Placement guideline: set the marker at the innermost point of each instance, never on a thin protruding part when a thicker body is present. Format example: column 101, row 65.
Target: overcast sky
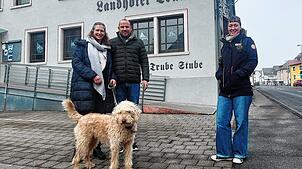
column 275, row 26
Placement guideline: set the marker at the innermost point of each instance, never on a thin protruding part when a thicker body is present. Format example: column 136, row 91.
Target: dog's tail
column 71, row 111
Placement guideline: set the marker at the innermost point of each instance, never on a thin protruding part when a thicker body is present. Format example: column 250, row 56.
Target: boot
column 97, row 152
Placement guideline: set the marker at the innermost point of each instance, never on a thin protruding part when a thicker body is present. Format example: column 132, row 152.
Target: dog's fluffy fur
column 115, row 130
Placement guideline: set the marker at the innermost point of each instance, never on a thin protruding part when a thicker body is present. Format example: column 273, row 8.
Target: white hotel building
column 181, row 37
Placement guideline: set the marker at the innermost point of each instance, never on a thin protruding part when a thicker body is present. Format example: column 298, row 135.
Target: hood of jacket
column 81, row 42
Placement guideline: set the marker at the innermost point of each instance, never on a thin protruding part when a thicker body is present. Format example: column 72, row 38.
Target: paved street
column 287, row 96
column 45, row 140
column 275, row 137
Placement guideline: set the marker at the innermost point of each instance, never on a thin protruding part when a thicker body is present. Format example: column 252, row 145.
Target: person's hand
column 145, row 84
column 112, row 83
column 97, row 79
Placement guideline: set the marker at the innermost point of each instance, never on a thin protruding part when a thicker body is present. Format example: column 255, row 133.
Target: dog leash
column 112, row 88
column 143, row 96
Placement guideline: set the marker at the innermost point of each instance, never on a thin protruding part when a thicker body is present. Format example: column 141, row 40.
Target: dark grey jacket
column 129, row 59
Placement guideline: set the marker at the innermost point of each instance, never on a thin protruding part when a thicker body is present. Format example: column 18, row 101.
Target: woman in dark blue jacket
column 91, row 63
column 238, row 61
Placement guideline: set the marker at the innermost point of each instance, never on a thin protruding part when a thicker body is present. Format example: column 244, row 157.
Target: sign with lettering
column 11, row 51
column 125, row 4
column 181, row 65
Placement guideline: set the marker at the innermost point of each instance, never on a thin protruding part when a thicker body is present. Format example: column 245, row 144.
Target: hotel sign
column 126, row 4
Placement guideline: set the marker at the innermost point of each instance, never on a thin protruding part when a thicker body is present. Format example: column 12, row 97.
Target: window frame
column 167, row 26
column 15, row 6
column 60, row 44
column 1, row 5
column 156, row 28
column 27, row 46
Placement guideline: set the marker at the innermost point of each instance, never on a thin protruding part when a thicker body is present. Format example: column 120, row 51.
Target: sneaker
column 214, row 158
column 237, row 160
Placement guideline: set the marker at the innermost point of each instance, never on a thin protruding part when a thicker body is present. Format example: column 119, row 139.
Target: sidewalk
column 32, row 140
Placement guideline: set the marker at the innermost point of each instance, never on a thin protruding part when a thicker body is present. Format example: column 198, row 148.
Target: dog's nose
column 124, row 121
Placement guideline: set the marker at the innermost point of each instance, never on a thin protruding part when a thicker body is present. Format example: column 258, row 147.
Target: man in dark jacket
column 129, row 63
column 237, row 63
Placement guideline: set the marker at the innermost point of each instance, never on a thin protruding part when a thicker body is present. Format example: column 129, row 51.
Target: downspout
column 217, row 34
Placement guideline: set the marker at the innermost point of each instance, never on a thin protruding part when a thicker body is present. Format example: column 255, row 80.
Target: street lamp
column 300, row 47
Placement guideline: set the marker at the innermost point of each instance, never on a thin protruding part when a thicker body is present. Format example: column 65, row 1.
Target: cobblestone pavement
column 40, row 140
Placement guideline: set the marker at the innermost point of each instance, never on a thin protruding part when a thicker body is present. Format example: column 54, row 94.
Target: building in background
column 256, row 78
column 181, row 37
column 283, row 77
column 295, row 67
column 269, row 76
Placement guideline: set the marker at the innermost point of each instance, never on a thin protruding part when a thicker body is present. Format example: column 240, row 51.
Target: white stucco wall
column 185, row 85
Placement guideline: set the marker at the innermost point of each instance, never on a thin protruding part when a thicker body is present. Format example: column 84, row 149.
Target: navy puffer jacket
column 129, row 60
column 82, row 78
column 238, row 61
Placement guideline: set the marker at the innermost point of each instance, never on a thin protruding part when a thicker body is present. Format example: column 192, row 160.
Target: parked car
column 298, row 83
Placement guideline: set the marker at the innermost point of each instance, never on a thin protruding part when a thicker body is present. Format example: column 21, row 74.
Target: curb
column 152, row 109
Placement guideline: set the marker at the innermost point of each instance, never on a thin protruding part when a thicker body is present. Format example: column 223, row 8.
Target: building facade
column 181, row 37
column 295, row 72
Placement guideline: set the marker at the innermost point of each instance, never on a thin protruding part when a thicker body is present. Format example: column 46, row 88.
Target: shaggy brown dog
column 115, row 130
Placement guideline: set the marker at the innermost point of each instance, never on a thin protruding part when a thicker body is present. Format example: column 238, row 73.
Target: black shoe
column 134, row 147
column 121, row 149
column 97, row 152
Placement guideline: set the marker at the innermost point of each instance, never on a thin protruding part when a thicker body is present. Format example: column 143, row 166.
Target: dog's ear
column 116, row 110
column 137, row 110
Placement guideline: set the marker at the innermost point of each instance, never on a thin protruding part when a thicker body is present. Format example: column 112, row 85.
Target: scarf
column 97, row 54
column 229, row 38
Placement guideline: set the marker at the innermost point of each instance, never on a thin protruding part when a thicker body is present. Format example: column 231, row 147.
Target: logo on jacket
column 239, row 46
column 253, row 46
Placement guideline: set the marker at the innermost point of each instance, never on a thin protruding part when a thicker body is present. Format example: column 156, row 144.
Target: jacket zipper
column 223, row 76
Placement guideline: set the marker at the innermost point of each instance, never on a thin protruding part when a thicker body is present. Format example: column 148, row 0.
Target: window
column 68, row 35
column 144, row 30
column 163, row 33
column 294, row 68
column 36, row 45
column 171, row 34
column 1, row 5
column 21, row 3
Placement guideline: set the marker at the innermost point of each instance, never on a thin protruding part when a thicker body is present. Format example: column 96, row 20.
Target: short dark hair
column 124, row 19
column 235, row 19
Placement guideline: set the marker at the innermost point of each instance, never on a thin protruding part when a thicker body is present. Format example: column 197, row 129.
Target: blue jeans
column 226, row 144
column 128, row 91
